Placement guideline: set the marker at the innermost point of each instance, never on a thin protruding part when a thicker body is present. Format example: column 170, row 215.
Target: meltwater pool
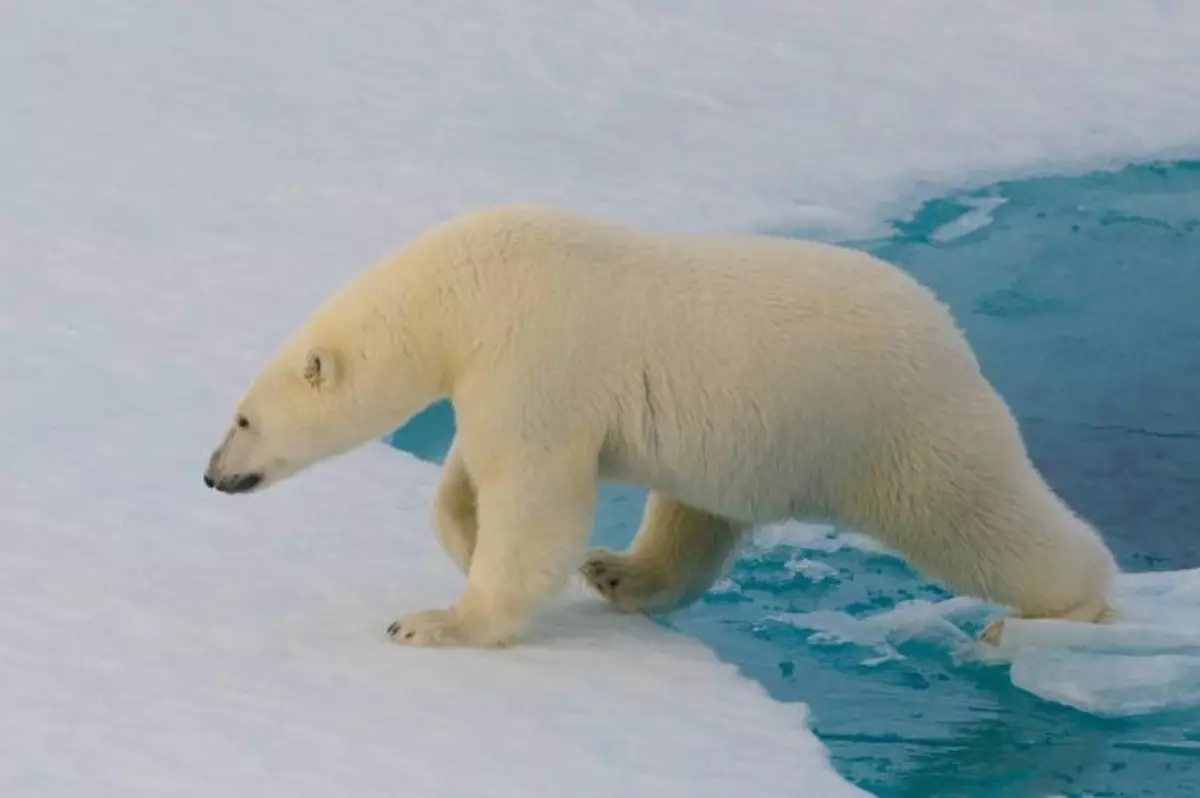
column 1081, row 297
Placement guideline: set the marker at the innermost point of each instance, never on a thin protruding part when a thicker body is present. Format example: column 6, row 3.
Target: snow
column 367, row 118
column 184, row 181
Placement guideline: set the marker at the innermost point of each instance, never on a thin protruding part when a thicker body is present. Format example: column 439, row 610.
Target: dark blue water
column 1081, row 297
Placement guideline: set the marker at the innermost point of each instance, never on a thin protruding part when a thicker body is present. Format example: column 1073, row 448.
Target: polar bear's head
column 373, row 354
column 294, row 414
column 310, row 403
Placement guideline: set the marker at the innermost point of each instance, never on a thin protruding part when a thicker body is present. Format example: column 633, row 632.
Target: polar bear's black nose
column 208, row 481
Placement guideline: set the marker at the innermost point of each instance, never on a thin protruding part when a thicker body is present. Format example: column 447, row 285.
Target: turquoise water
column 1081, row 297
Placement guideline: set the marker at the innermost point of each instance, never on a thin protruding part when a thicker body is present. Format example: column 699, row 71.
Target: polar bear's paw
column 628, row 584
column 428, row 628
column 439, row 628
column 992, row 633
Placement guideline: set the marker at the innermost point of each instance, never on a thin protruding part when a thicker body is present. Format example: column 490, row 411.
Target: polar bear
column 742, row 380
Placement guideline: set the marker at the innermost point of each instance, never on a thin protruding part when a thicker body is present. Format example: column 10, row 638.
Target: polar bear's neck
column 438, row 297
column 388, row 327
column 423, row 318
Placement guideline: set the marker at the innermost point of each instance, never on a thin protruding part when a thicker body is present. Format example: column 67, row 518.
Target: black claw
column 395, row 627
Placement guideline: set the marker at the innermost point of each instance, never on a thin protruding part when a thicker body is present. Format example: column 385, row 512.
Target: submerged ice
column 1146, row 661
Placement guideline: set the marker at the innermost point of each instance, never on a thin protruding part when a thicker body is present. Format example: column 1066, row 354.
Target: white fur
column 743, row 380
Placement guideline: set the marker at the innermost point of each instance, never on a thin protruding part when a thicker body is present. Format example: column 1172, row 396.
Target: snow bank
column 158, row 640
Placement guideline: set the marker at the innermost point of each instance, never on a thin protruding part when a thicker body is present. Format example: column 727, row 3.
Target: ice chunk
column 882, row 632
column 1147, row 661
column 813, row 570
column 977, row 217
column 1110, row 683
column 815, row 537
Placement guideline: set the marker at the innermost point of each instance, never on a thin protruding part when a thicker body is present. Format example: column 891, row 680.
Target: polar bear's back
column 739, row 290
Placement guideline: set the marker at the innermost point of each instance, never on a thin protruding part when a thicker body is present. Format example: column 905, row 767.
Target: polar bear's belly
column 751, row 489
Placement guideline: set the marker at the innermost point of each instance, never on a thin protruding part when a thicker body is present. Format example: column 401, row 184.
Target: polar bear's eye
column 243, row 422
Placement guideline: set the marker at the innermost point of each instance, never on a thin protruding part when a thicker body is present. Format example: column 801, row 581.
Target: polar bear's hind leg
column 1094, row 610
column 678, row 553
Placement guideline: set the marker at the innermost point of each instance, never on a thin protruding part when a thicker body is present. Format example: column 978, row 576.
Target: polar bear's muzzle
column 236, row 483
column 228, row 469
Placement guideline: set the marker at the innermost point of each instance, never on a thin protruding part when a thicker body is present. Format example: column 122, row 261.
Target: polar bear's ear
column 320, row 367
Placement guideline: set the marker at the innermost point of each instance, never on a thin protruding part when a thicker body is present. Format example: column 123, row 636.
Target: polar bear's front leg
column 534, row 522
column 454, row 518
